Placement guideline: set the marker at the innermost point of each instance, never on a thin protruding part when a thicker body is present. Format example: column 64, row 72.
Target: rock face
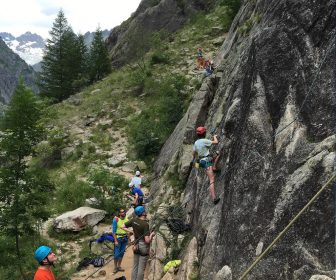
column 132, row 38
column 272, row 105
column 78, row 219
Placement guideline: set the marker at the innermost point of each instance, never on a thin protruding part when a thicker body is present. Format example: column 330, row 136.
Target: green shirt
column 140, row 228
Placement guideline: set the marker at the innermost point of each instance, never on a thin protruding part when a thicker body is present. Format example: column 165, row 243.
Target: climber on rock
column 136, row 195
column 201, row 153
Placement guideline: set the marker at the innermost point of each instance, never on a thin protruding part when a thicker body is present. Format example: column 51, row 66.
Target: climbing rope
column 287, row 227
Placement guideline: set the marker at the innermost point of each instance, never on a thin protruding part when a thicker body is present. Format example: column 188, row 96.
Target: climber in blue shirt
column 136, row 195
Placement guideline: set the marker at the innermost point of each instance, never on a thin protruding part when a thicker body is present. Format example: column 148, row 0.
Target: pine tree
column 82, row 58
column 99, row 58
column 61, row 62
column 52, row 76
column 23, row 191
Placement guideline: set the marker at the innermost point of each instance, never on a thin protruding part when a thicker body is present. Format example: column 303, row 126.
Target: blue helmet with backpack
column 139, row 210
column 41, row 253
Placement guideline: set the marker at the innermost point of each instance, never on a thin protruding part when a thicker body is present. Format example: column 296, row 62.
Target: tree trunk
column 18, row 253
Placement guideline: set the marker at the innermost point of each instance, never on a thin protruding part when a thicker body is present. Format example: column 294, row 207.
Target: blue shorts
column 206, row 162
column 119, row 250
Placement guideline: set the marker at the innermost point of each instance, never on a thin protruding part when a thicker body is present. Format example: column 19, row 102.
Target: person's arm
column 127, row 224
column 127, row 230
column 215, row 140
column 149, row 238
column 136, row 197
column 114, row 230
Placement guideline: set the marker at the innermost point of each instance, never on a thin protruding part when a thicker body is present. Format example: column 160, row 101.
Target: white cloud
column 37, row 16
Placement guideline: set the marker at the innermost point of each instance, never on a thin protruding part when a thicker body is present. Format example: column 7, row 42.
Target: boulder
column 224, row 274
column 168, row 276
column 320, row 277
column 155, row 270
column 129, row 167
column 78, row 219
column 91, row 201
column 141, row 165
column 117, row 160
column 67, row 152
column 160, row 248
column 95, row 91
column 189, row 262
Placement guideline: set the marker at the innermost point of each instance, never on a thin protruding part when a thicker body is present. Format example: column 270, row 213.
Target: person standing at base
column 46, row 259
column 142, row 240
column 202, row 153
column 137, row 179
column 120, row 239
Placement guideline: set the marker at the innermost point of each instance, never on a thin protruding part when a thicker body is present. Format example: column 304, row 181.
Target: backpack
column 84, row 263
column 98, row 261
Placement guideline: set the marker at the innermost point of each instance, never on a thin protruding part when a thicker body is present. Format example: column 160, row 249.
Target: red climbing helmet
column 200, row 130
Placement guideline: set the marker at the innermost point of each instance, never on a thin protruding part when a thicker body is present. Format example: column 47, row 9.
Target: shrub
column 150, row 130
column 112, row 184
column 71, row 193
column 159, row 58
column 102, row 177
column 233, row 6
column 102, row 138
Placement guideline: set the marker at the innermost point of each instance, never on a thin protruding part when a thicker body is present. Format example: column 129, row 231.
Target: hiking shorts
column 206, row 162
column 120, row 249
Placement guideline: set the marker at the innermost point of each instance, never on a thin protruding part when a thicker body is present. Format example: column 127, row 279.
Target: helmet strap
column 47, row 264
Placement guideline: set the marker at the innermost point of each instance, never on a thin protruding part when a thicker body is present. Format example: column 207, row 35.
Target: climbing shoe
column 120, row 269
column 216, row 200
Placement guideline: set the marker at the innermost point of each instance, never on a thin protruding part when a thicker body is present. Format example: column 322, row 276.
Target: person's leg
column 135, row 266
column 115, row 270
column 116, row 256
column 144, row 249
column 119, row 264
column 211, row 176
column 142, row 267
column 123, row 244
column 215, row 161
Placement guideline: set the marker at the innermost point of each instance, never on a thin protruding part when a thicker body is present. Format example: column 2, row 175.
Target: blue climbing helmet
column 139, row 210
column 41, row 253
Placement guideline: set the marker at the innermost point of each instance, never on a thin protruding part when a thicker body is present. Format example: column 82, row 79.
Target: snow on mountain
column 29, row 46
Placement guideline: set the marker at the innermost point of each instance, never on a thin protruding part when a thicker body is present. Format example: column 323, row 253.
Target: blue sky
column 37, row 16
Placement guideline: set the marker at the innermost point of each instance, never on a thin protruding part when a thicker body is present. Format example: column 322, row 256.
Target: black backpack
column 98, row 261
column 84, row 263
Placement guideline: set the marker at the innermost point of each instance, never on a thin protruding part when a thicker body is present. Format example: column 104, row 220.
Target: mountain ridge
column 12, row 66
column 30, row 46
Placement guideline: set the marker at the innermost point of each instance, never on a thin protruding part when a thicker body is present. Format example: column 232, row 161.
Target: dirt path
column 106, row 272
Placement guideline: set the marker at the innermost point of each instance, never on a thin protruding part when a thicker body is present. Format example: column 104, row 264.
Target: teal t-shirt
column 201, row 146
